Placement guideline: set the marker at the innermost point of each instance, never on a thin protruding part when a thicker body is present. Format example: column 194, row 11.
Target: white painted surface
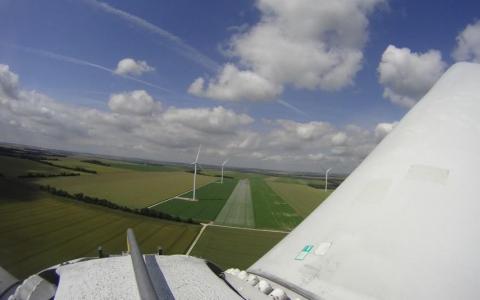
column 108, row 278
column 406, row 223
column 190, row 278
column 113, row 278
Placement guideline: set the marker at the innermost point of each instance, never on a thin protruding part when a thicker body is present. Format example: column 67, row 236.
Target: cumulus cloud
column 407, row 76
column 135, row 127
column 468, row 44
column 217, row 119
column 235, row 85
column 82, row 62
column 137, row 102
column 382, row 129
column 8, row 82
column 309, row 44
column 129, row 66
column 301, row 143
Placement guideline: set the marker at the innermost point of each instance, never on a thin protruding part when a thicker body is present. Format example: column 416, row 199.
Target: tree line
column 46, row 175
column 106, row 203
column 96, row 162
column 79, row 169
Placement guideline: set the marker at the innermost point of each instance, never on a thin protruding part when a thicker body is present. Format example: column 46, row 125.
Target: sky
column 300, row 85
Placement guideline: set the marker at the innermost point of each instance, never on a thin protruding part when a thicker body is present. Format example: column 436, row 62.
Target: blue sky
column 37, row 34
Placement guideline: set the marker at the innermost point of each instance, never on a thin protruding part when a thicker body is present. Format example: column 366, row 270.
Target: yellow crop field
column 302, row 198
column 132, row 189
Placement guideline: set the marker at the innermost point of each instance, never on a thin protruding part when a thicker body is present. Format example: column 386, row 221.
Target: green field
column 211, row 197
column 13, row 167
column 238, row 248
column 238, row 210
column 132, row 189
column 77, row 162
column 302, row 198
column 271, row 211
column 139, row 167
column 38, row 230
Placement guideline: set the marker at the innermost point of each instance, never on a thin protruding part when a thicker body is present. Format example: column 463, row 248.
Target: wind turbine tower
column 223, row 164
column 326, row 178
column 195, row 163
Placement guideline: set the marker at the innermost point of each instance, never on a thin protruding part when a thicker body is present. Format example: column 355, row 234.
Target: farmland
column 238, row 210
column 13, row 167
column 315, row 182
column 246, row 215
column 270, row 210
column 132, row 189
column 38, row 230
column 143, row 167
column 230, row 247
column 80, row 163
column 212, row 198
column 302, row 198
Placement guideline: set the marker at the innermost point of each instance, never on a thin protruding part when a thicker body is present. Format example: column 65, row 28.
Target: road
column 204, row 226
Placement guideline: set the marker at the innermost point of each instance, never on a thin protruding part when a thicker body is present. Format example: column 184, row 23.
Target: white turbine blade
column 405, row 224
column 224, row 162
column 198, row 153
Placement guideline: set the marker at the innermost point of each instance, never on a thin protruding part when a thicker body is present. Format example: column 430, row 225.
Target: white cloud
column 312, row 44
column 316, row 157
column 468, row 44
column 382, row 129
column 407, row 76
column 137, row 102
column 235, row 85
column 81, row 62
column 217, row 119
column 8, row 82
column 339, row 138
column 136, row 127
column 299, row 143
column 129, row 66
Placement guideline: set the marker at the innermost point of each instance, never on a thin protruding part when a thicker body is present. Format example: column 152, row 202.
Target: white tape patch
column 322, row 248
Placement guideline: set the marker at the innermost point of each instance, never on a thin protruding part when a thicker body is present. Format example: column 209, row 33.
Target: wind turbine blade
column 224, row 162
column 198, row 153
column 419, row 185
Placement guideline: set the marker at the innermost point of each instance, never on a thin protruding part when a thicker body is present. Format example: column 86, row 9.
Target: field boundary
column 197, row 238
column 247, row 228
column 179, row 196
column 205, row 225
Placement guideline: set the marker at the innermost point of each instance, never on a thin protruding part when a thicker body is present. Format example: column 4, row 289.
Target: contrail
column 185, row 49
column 295, row 109
column 82, row 62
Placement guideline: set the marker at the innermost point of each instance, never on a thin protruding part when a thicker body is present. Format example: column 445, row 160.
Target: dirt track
column 238, row 210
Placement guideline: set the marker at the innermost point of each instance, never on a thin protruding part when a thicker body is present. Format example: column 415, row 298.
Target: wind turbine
column 326, row 178
column 223, row 164
column 195, row 163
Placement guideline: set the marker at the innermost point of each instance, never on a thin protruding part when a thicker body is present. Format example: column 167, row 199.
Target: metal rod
column 144, row 283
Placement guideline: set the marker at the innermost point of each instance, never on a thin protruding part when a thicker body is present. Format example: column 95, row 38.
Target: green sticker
column 305, row 251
